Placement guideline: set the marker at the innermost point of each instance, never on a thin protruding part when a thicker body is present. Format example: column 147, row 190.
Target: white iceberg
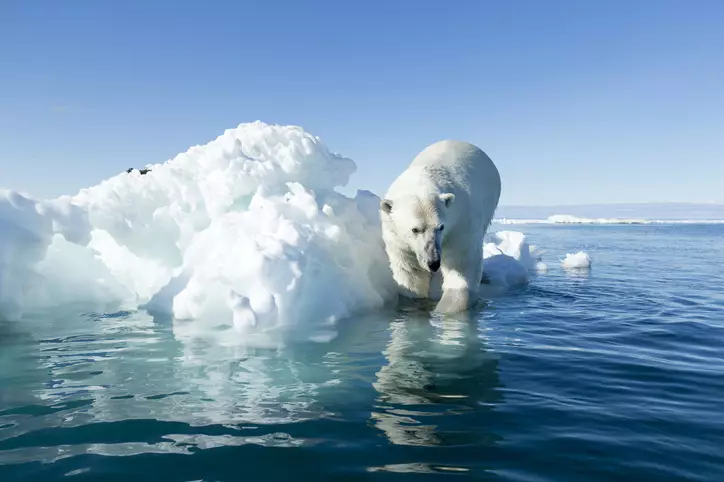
column 245, row 231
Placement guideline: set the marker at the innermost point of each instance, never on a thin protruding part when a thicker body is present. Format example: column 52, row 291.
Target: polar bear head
column 418, row 225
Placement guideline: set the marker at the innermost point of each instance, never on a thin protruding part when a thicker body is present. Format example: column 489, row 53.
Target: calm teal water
column 615, row 375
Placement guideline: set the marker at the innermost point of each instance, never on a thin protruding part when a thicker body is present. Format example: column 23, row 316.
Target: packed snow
column 246, row 232
column 579, row 260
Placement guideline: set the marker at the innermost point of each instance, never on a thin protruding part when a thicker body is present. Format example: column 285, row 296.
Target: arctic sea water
column 231, row 316
column 607, row 374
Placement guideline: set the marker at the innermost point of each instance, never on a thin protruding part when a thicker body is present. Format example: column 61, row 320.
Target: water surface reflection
column 437, row 383
column 128, row 383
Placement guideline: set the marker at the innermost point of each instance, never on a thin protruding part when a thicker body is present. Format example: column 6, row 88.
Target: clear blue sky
column 576, row 101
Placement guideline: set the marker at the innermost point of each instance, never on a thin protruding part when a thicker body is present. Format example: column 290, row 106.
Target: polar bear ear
column 386, row 205
column 447, row 198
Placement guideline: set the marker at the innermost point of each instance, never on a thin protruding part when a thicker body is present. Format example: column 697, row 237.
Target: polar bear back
column 461, row 168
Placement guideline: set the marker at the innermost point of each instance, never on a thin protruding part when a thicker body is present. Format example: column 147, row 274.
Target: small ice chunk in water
column 579, row 260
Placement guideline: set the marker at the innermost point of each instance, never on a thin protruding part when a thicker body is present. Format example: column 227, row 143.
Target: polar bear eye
column 416, row 230
column 442, row 226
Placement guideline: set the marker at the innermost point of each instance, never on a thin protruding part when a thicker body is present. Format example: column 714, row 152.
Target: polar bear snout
column 429, row 263
column 430, row 259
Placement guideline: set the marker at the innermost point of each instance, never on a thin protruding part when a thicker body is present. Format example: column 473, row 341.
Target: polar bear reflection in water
column 436, row 367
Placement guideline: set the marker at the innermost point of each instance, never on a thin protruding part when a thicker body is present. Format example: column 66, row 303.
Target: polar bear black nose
column 434, row 266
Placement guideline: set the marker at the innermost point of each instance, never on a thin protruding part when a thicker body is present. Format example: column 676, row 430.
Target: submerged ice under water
column 246, row 232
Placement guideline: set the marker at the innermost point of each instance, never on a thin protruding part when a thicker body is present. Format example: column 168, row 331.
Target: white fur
column 450, row 184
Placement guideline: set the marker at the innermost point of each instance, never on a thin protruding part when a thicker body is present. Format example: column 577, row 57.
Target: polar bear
column 435, row 216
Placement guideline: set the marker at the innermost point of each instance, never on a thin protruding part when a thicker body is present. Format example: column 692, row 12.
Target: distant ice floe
column 568, row 219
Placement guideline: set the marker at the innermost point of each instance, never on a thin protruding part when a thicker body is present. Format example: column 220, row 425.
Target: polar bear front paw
column 456, row 300
column 415, row 284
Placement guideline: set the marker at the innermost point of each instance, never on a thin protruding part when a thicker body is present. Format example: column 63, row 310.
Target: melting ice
column 247, row 231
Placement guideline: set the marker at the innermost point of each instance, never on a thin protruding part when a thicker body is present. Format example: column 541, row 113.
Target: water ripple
column 613, row 374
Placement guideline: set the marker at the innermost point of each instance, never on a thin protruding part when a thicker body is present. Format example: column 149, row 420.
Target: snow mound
column 509, row 259
column 579, row 260
column 246, row 229
column 26, row 229
column 246, row 233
